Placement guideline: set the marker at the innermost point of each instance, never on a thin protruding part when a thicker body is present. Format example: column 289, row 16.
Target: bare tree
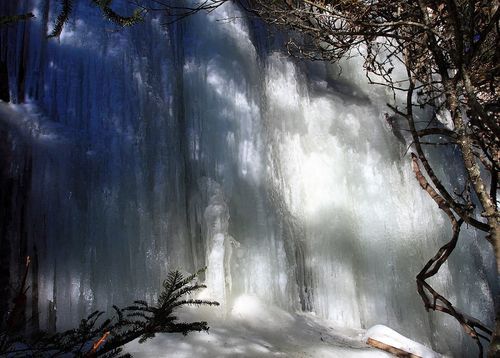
column 449, row 51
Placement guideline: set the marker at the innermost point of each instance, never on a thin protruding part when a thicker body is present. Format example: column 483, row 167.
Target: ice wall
column 134, row 151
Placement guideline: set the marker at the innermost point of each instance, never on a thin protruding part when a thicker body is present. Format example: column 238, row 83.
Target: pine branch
column 98, row 337
column 111, row 15
column 10, row 19
column 62, row 18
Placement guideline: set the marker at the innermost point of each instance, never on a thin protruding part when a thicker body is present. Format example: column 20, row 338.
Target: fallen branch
column 388, row 348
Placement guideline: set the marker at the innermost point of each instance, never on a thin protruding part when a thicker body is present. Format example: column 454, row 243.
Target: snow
column 255, row 329
column 389, row 336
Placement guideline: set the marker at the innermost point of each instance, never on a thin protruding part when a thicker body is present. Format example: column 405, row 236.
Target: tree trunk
column 494, row 350
column 35, row 314
column 489, row 208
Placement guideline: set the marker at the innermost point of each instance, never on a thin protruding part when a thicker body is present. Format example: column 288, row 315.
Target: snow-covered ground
column 253, row 329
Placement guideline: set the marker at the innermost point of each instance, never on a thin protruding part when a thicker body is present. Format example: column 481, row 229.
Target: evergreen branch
column 9, row 19
column 111, row 15
column 195, row 303
column 140, row 302
column 62, row 18
column 96, row 338
column 183, row 291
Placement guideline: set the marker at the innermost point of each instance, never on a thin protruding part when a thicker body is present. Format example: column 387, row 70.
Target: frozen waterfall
column 125, row 154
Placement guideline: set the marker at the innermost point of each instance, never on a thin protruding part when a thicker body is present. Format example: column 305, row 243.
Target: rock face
column 128, row 153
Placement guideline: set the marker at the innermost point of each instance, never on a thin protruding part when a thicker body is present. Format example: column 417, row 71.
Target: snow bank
column 254, row 329
column 390, row 337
